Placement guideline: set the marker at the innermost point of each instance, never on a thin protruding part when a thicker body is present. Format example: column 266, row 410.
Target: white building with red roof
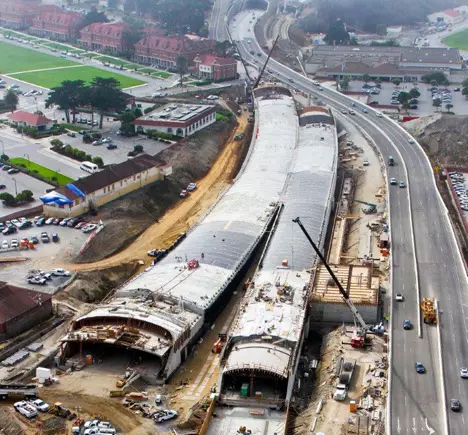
column 55, row 23
column 448, row 16
column 27, row 119
column 213, row 67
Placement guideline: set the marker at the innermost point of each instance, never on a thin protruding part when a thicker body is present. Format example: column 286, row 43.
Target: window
column 169, row 129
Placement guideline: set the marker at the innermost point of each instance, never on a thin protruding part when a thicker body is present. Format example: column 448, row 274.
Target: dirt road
column 185, row 214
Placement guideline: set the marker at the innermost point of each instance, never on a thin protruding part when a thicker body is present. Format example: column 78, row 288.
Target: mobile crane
column 359, row 335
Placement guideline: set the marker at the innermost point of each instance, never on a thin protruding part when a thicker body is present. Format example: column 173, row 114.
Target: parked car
column 6, row 167
column 88, row 228
column 80, row 225
column 40, row 222
column 35, row 240
column 71, row 134
column 40, row 405
column 24, row 225
column 65, row 221
column 9, row 230
column 2, row 186
column 56, row 221
column 13, row 171
column 111, row 146
column 37, row 280
column 45, row 237
column 191, row 187
column 50, row 221
column 5, row 244
column 60, row 272
column 55, row 237
column 160, row 416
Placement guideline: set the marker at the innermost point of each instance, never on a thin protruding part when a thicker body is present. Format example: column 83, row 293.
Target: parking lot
column 425, row 107
column 45, row 256
column 459, row 182
column 17, row 183
column 116, row 155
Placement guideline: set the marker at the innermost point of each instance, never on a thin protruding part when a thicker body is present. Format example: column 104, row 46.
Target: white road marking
column 398, row 425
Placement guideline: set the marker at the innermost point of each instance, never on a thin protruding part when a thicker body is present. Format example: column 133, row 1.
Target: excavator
column 358, row 338
column 371, row 208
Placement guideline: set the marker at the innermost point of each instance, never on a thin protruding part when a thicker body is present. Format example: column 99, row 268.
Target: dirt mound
column 95, row 286
column 444, row 138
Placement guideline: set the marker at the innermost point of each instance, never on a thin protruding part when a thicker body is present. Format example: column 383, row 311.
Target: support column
column 252, row 385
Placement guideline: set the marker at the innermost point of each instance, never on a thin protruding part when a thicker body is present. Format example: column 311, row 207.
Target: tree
column 126, row 118
column 396, row 82
column 414, row 93
column 465, row 83
column 366, row 78
column 437, row 103
column 106, row 96
column 404, row 97
column 182, row 16
column 222, row 48
column 405, row 106
column 93, row 16
column 448, row 107
column 24, row 196
column 437, row 77
column 465, row 92
column 58, row 97
column 130, row 37
column 11, row 100
column 7, row 198
column 98, row 161
column 336, row 33
column 181, row 64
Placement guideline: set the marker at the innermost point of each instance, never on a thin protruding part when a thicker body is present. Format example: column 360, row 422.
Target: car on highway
column 411, row 141
column 407, row 324
column 464, row 373
column 379, row 115
column 351, row 112
column 399, row 297
column 60, row 272
column 455, row 405
column 393, row 181
column 420, row 368
column 365, row 110
column 344, row 111
column 402, row 185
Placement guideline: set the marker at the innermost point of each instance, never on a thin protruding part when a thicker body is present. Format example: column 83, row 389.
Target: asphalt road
column 217, row 27
column 417, row 402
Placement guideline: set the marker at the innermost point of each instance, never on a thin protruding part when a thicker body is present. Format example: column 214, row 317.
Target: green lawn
column 15, row 59
column 457, row 40
column 52, row 78
column 112, row 60
column 42, row 170
column 73, row 127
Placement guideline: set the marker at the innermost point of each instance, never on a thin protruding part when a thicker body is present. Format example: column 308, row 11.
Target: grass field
column 44, row 172
column 457, row 40
column 16, row 59
column 52, row 78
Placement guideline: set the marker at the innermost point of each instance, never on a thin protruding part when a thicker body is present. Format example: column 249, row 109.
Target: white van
column 89, row 167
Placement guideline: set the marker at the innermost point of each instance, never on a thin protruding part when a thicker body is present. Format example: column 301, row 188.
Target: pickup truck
column 340, row 392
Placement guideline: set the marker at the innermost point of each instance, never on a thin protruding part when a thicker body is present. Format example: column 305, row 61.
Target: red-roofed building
column 105, row 36
column 17, row 15
column 21, row 309
column 212, row 67
column 55, row 23
column 162, row 51
column 27, row 119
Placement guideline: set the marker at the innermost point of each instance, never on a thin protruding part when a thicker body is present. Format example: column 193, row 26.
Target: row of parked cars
column 76, row 222
column 94, row 427
column 444, row 95
column 7, row 168
column 30, row 408
column 40, row 277
column 413, row 103
column 458, row 184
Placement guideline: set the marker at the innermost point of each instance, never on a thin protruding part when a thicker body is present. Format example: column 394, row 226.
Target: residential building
column 27, row 119
column 55, row 23
column 163, row 51
column 448, row 16
column 105, row 36
column 17, row 15
column 104, row 186
column 21, row 309
column 212, row 67
column 177, row 119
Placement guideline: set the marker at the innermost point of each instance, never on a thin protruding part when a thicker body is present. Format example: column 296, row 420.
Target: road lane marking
column 398, row 425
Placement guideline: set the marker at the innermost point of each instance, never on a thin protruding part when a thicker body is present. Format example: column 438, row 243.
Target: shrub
column 98, row 161
column 56, row 142
column 138, row 148
column 4, row 158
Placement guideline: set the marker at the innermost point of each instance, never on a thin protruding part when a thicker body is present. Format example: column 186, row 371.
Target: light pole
column 16, row 188
column 29, row 160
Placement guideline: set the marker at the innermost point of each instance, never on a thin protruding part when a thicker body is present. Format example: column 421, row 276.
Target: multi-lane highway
column 426, row 262
column 217, row 28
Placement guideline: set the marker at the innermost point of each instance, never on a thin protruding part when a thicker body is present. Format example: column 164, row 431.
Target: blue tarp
column 75, row 190
column 56, row 198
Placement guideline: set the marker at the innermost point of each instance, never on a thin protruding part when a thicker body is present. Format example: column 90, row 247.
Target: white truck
column 345, row 371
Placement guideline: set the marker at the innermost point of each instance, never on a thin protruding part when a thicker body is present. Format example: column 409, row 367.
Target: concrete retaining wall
column 340, row 313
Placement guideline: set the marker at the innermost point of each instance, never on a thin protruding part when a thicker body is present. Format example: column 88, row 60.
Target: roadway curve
column 433, row 261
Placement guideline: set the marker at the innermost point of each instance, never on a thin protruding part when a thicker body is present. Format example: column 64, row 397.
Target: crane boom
column 345, row 295
column 266, row 62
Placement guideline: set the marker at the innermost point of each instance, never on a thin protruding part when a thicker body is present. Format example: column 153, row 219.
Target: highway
column 429, row 262
column 217, row 27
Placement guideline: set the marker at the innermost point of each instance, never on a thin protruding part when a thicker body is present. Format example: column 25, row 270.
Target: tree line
column 102, row 95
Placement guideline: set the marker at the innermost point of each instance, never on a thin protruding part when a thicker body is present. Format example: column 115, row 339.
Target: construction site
column 243, row 317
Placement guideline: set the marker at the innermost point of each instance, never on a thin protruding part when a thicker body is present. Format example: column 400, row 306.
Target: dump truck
column 428, row 309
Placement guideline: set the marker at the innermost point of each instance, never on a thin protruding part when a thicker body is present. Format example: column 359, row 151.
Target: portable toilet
column 244, row 390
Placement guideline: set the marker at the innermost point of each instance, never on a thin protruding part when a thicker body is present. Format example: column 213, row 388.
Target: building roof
column 173, row 43
column 15, row 301
column 113, row 30
column 58, row 16
column 174, row 115
column 17, row 8
column 451, row 13
column 112, row 174
column 212, row 59
column 32, row 119
column 430, row 55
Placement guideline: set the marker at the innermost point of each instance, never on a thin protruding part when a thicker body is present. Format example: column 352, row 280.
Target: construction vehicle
column 358, row 338
column 371, row 208
column 429, row 312
column 28, row 391
column 239, row 136
column 61, row 411
column 220, row 342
